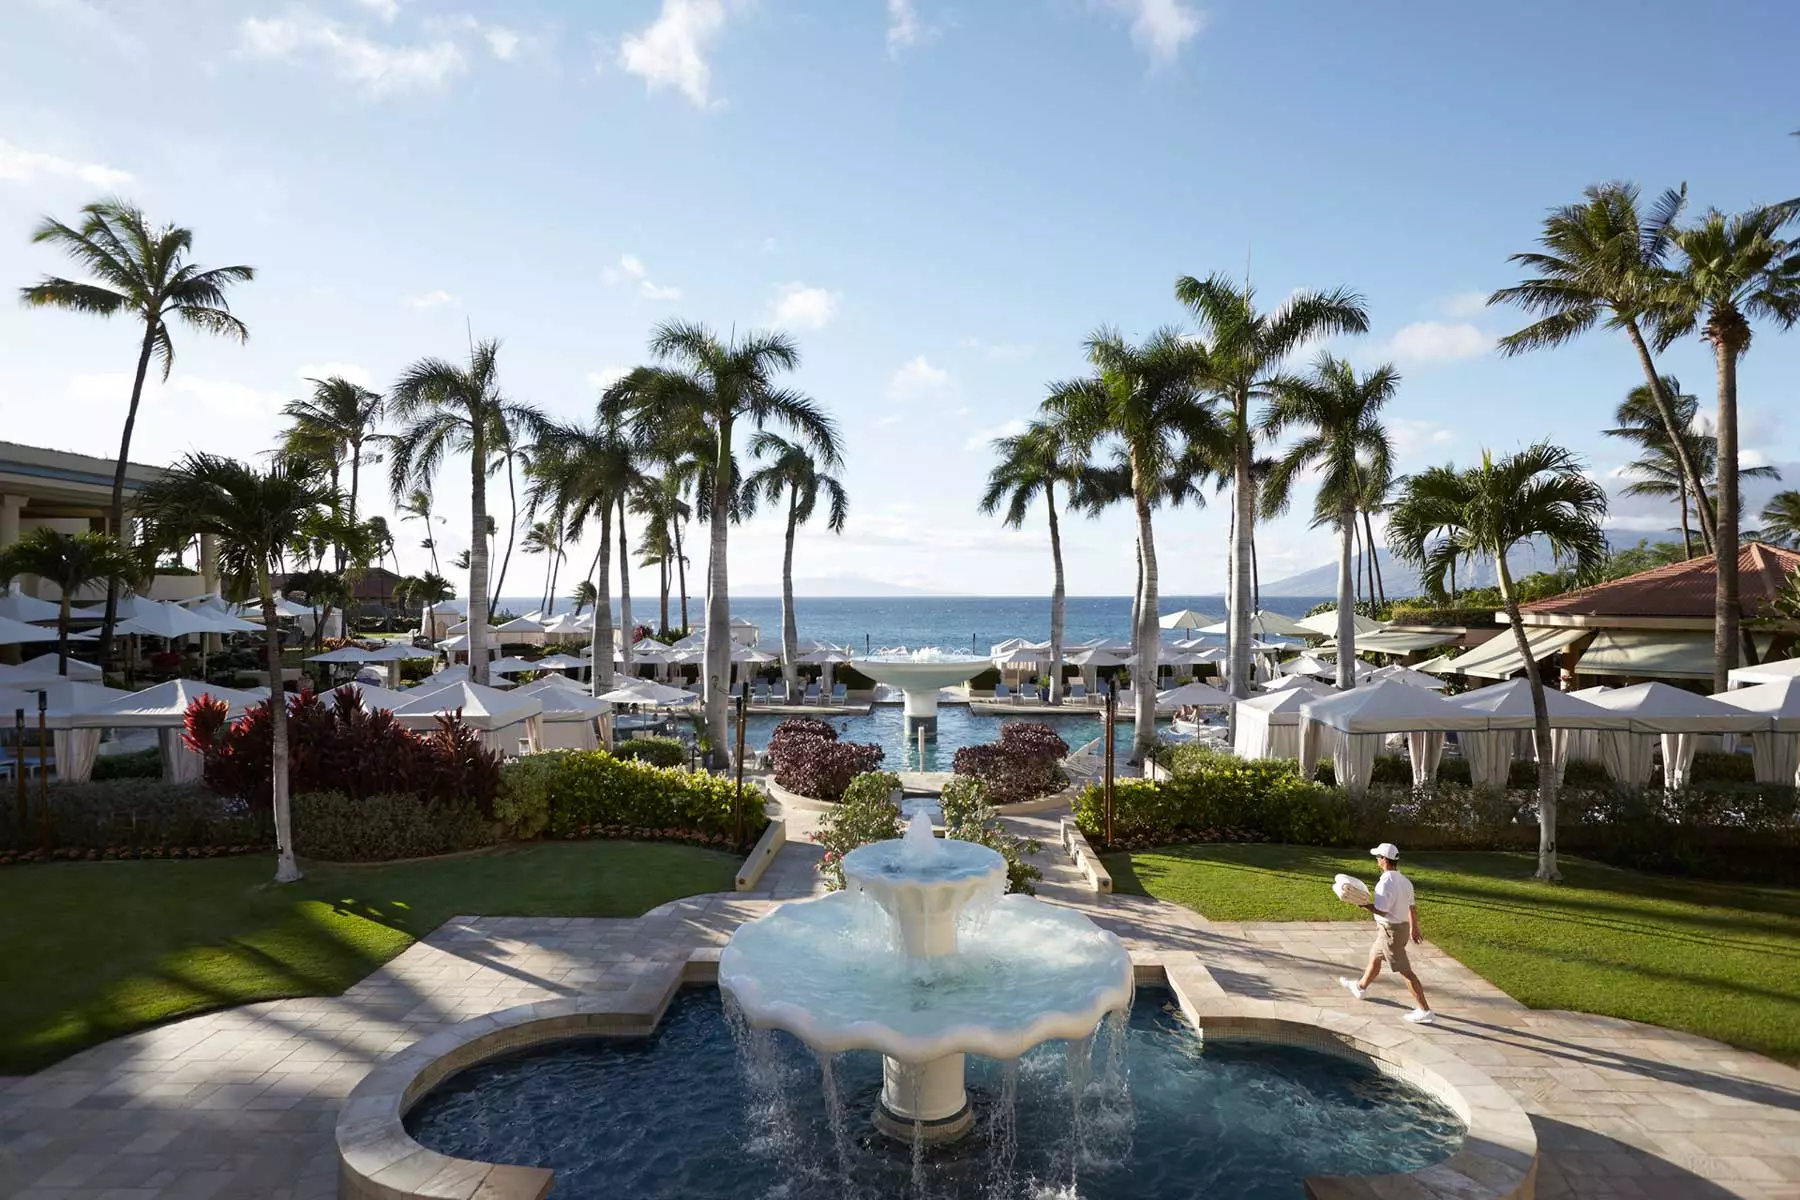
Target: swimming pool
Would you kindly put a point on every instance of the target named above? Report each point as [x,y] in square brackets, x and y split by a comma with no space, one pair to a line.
[958,726]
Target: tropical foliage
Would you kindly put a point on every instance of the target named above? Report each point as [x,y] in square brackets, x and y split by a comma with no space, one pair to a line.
[71,561]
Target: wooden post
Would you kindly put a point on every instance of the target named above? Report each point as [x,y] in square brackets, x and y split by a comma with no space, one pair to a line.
[43,773]
[739,805]
[1109,742]
[19,770]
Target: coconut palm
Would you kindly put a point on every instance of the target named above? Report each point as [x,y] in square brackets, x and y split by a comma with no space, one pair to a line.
[248,513]
[445,408]
[544,537]
[701,389]
[1603,263]
[1245,352]
[1734,270]
[790,471]
[657,546]
[585,593]
[1781,519]
[417,507]
[1338,418]
[143,271]
[1145,403]
[428,591]
[1539,493]
[71,561]
[331,426]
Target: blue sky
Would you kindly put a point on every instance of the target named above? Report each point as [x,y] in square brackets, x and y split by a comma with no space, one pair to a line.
[939,200]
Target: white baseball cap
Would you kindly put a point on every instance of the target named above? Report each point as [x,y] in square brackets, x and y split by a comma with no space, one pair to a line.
[1387,850]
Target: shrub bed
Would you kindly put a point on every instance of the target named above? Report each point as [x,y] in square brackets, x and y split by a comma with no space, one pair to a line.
[657,751]
[866,813]
[139,764]
[1024,764]
[379,828]
[588,793]
[969,817]
[133,818]
[810,761]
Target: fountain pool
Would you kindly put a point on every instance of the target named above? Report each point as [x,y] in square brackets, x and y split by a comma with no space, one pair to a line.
[957,726]
[673,1115]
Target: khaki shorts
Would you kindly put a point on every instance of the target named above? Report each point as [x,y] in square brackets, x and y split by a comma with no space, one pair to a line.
[1390,944]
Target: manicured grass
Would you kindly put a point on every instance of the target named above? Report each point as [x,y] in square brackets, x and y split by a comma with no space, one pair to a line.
[94,950]
[1717,959]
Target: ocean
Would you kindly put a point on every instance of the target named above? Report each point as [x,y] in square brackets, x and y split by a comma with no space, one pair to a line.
[947,622]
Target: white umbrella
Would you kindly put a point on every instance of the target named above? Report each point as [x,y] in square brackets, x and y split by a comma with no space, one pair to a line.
[1407,675]
[1263,623]
[1024,655]
[13,632]
[511,666]
[46,665]
[1325,624]
[1099,656]
[161,620]
[1194,693]
[1296,682]
[520,625]
[343,654]
[1307,664]
[1185,618]
[20,607]
[560,662]
[648,691]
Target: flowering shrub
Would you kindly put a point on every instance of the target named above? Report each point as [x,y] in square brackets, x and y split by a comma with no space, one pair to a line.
[1025,763]
[809,760]
[867,813]
[968,817]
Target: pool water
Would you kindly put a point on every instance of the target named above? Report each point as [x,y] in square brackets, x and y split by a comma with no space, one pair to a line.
[672,1116]
[957,727]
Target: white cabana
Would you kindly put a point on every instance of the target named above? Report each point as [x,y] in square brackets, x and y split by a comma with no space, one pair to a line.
[1263,623]
[1186,618]
[343,654]
[1770,672]
[520,627]
[650,693]
[1198,694]
[1774,751]
[1362,716]
[1298,683]
[1679,718]
[16,632]
[75,749]
[154,619]
[560,662]
[44,665]
[1324,624]
[1307,664]
[571,719]
[504,719]
[1268,726]
[164,708]
[1508,708]
[561,681]
[459,673]
[511,666]
[1408,676]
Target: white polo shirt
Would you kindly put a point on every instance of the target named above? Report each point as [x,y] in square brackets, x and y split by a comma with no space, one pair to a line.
[1393,899]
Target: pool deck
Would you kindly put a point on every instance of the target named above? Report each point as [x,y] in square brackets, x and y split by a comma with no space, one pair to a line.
[243,1102]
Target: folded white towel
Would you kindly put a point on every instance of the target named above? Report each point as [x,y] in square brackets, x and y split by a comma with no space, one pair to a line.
[1350,889]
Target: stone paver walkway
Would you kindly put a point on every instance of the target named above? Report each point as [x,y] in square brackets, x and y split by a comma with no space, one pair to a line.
[242,1103]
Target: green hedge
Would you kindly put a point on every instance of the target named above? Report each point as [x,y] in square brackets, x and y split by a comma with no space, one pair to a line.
[135,814]
[575,793]
[381,828]
[657,751]
[1218,797]
[139,764]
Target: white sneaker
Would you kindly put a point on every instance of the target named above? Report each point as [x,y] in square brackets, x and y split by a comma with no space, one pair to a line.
[1351,987]
[1421,1016]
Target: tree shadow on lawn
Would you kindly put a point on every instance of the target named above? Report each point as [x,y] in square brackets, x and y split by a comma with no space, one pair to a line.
[1570,1158]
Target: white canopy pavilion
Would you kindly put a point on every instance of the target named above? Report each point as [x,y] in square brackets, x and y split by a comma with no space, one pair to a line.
[1679,718]
[1770,672]
[1508,708]
[1324,624]
[1408,676]
[1263,624]
[1268,726]
[1200,695]
[504,719]
[1298,683]
[163,708]
[14,632]
[571,719]
[75,749]
[649,693]
[44,667]
[1775,751]
[1362,716]
[17,606]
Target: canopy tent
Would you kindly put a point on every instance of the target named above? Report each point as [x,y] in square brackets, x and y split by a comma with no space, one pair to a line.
[1197,694]
[75,749]
[1297,683]
[1306,664]
[1186,618]
[1640,653]
[17,606]
[444,678]
[1023,655]
[1407,676]
[649,692]
[1508,707]
[1498,657]
[462,627]
[1775,751]
[1680,718]
[504,719]
[560,662]
[343,654]
[1268,726]
[519,626]
[1399,641]
[511,666]
[373,698]
[555,680]
[570,719]
[1263,623]
[1769,672]
[164,708]
[1325,624]
[14,632]
[44,667]
[1360,716]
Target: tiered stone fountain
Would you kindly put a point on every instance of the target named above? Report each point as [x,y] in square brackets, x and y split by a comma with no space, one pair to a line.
[924,958]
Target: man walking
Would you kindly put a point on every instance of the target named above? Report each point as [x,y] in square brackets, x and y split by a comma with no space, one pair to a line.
[1396,924]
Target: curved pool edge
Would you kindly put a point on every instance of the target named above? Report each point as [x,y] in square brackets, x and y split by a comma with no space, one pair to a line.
[379,1160]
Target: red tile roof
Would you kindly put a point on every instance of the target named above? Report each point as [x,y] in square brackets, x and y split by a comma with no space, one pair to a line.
[1683,589]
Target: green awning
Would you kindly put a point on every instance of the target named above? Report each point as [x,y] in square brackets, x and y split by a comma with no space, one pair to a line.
[1648,653]
[1499,657]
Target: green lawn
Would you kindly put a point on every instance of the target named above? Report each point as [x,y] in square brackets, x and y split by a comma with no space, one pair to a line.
[1717,959]
[93,950]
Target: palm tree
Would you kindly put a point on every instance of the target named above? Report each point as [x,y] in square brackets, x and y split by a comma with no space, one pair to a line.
[1603,262]
[790,468]
[1030,465]
[428,591]
[248,513]
[1245,351]
[1377,489]
[446,408]
[1540,492]
[331,427]
[544,537]
[417,507]
[1659,471]
[1781,519]
[701,389]
[585,593]
[1734,269]
[145,272]
[71,561]
[1339,420]
[1147,402]
[657,547]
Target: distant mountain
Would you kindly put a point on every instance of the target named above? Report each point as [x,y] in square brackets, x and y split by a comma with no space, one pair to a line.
[1398,579]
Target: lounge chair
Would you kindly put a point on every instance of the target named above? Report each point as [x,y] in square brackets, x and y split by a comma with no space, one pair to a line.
[759,693]
[779,693]
[840,692]
[1001,694]
[1078,693]
[811,695]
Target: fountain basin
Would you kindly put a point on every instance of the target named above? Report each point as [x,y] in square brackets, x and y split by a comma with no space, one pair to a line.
[919,675]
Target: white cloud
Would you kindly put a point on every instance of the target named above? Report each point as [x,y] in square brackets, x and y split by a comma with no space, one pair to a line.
[430,299]
[981,437]
[379,69]
[917,378]
[903,29]
[1464,304]
[1411,437]
[606,376]
[999,352]
[97,23]
[20,165]
[503,42]
[670,51]
[632,267]
[658,291]
[1437,341]
[800,307]
[387,10]
[359,375]
[1161,28]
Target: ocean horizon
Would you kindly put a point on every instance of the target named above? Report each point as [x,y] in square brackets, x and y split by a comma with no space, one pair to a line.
[947,622]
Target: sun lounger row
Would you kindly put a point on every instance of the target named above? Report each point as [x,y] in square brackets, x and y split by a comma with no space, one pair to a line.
[1077,694]
[762,693]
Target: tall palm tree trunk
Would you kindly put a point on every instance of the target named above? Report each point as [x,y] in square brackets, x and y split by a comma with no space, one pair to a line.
[116,513]
[1359,564]
[603,622]
[717,655]
[1346,610]
[1137,598]
[512,526]
[1255,572]
[681,573]
[627,627]
[1541,728]
[286,869]
[790,631]
[1242,516]
[1148,633]
[1687,537]
[1374,558]
[1665,408]
[662,579]
[62,635]
[1725,536]
[1058,600]
[478,555]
